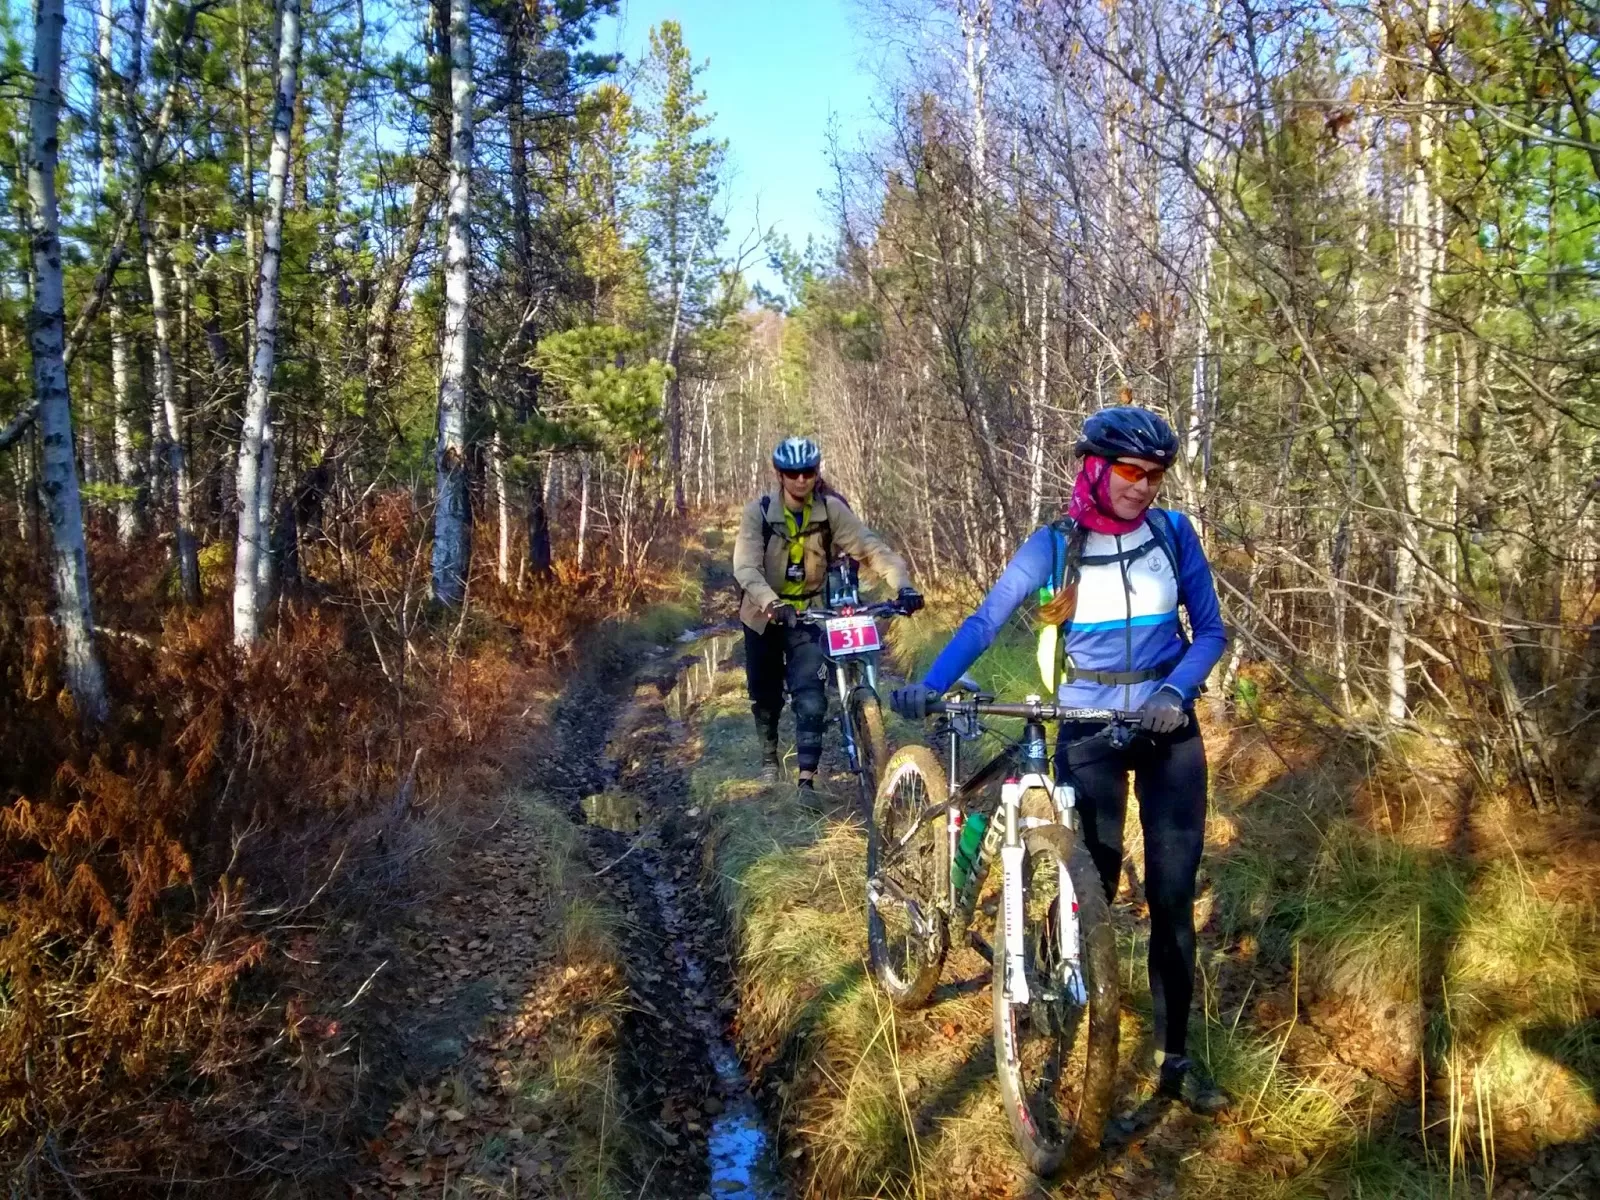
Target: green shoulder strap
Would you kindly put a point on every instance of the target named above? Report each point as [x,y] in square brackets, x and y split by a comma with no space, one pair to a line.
[824,526]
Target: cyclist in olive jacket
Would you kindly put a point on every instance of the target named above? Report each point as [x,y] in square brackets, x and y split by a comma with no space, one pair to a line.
[780,560]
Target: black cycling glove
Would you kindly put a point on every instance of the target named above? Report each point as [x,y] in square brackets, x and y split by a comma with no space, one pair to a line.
[1163,712]
[912,701]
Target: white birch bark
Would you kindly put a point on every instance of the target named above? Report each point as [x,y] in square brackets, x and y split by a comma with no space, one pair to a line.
[47,331]
[247,169]
[1419,225]
[583,509]
[976,22]
[166,400]
[264,483]
[502,505]
[672,393]
[451,528]
[1040,400]
[254,486]
[124,459]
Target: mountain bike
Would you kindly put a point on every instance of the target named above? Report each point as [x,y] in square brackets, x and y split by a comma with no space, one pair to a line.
[852,646]
[1054,954]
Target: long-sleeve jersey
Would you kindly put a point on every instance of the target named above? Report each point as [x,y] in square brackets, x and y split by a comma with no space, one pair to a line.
[1126,618]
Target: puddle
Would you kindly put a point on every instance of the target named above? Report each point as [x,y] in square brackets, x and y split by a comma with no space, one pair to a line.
[743,1166]
[698,678]
[741,1156]
[617,811]
[743,1163]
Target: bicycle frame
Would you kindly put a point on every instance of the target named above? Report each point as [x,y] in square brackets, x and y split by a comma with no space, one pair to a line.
[1004,836]
[850,671]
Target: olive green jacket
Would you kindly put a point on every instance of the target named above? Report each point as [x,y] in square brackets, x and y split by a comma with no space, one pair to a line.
[761,573]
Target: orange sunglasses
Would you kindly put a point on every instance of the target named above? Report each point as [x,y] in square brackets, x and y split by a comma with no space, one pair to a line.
[1133,473]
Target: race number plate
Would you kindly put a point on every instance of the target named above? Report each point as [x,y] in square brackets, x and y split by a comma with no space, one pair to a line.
[852,635]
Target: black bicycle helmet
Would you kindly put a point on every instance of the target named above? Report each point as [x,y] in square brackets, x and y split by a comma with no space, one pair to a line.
[1127,431]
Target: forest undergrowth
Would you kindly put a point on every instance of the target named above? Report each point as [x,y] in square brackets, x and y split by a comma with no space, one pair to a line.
[179,884]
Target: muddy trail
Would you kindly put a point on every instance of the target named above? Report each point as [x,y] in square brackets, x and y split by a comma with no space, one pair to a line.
[570,1031]
[619,763]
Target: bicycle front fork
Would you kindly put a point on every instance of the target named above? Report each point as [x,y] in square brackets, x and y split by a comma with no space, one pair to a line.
[1066,970]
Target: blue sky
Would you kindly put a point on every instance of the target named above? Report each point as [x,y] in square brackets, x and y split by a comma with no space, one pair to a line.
[777,72]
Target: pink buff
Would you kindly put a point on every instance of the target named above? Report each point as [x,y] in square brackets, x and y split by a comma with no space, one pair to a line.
[1090,505]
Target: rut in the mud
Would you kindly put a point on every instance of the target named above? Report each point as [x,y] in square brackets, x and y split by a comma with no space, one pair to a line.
[617,762]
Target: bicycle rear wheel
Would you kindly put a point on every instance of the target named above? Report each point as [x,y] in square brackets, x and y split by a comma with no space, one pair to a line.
[907,960]
[1056,1055]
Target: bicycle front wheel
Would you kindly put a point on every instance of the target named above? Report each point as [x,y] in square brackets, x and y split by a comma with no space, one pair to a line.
[866,718]
[1056,1052]
[907,935]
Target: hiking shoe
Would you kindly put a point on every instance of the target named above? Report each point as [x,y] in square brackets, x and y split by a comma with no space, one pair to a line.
[1183,1080]
[808,784]
[769,763]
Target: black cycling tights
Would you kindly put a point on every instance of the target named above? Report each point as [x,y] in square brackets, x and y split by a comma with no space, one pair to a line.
[793,655]
[1169,774]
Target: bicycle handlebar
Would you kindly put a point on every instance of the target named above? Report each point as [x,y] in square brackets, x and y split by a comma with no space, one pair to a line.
[1033,710]
[885,608]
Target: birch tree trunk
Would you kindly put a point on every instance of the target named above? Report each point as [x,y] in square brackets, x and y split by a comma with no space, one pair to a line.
[247,171]
[451,529]
[976,22]
[1419,224]
[674,396]
[1040,399]
[255,476]
[124,459]
[171,419]
[47,331]
[583,509]
[502,506]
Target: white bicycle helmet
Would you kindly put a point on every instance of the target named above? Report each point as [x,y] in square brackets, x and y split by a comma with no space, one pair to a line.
[797,454]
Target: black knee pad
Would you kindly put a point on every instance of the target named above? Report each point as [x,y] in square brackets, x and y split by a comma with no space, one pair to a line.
[810,713]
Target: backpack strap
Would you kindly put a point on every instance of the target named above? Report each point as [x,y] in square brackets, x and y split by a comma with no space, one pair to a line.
[1160,522]
[1061,557]
[824,527]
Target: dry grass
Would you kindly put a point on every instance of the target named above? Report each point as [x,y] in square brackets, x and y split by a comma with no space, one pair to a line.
[1350,933]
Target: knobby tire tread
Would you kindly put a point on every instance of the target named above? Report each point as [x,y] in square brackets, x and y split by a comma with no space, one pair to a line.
[913,993]
[866,715]
[1077,1153]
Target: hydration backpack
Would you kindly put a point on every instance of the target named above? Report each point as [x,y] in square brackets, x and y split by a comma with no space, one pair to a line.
[1052,648]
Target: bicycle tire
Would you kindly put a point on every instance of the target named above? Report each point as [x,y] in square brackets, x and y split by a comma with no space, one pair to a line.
[866,717]
[906,967]
[1053,1141]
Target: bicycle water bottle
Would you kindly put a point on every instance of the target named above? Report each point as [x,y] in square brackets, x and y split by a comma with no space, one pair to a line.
[972,831]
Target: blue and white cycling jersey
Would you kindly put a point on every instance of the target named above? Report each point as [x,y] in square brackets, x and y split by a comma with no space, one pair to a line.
[1126,618]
